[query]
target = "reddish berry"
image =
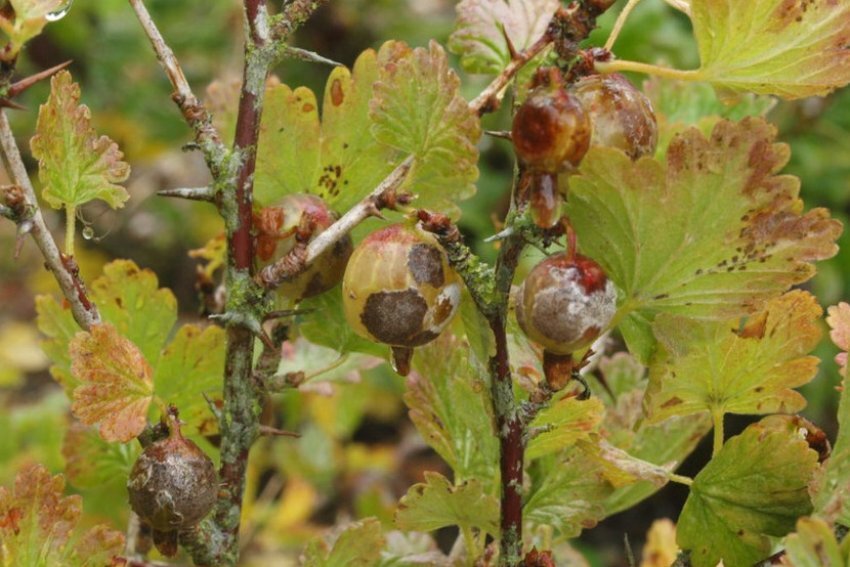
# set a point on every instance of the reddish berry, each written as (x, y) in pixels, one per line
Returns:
(565, 303)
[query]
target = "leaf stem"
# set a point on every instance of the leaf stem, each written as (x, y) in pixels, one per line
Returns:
(717, 418)
(70, 228)
(618, 25)
(687, 481)
(635, 66)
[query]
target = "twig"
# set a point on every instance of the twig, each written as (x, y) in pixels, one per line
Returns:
(206, 194)
(275, 432)
(308, 56)
(64, 269)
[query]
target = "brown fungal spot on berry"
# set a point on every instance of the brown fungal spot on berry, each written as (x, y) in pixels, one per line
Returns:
(394, 317)
(425, 263)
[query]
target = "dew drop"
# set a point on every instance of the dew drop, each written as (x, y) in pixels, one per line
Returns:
(59, 12)
(88, 232)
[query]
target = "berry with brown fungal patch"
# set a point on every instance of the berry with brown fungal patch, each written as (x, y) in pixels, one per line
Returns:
(399, 289)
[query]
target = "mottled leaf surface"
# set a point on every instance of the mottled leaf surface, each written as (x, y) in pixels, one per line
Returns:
(115, 388)
(755, 487)
(437, 503)
(706, 366)
(359, 545)
(789, 48)
(74, 164)
(40, 526)
(566, 421)
(711, 232)
(479, 36)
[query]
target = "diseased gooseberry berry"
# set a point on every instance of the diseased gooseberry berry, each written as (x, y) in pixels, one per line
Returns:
(551, 131)
(621, 115)
(399, 290)
(565, 303)
(173, 483)
(278, 228)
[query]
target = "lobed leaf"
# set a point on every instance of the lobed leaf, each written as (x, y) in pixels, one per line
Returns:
(839, 324)
(755, 487)
(436, 504)
(317, 363)
(813, 545)
(718, 368)
(418, 110)
(789, 48)
(479, 35)
(734, 232)
(28, 20)
(359, 545)
(115, 383)
(566, 421)
(74, 164)
(39, 526)
(91, 462)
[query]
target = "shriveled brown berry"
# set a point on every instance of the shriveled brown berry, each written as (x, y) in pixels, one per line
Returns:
(565, 303)
(173, 484)
(551, 131)
(621, 115)
(295, 218)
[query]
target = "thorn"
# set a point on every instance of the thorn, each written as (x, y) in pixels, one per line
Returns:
(17, 88)
(511, 48)
(205, 194)
(372, 210)
(212, 405)
(282, 314)
(23, 229)
(6, 103)
(501, 235)
(504, 134)
(309, 56)
(275, 432)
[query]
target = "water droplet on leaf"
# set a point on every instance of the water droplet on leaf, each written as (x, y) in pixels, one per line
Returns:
(59, 12)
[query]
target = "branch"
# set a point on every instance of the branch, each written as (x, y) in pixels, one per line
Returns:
(206, 194)
(294, 14)
(64, 268)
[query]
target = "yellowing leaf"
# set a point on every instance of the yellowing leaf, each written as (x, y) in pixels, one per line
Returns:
(479, 36)
(436, 503)
(57, 323)
(39, 526)
(566, 420)
(709, 233)
(790, 48)
(660, 549)
(715, 367)
(813, 545)
(755, 487)
(359, 545)
(115, 383)
(74, 164)
(19, 352)
(417, 109)
(839, 323)
(29, 18)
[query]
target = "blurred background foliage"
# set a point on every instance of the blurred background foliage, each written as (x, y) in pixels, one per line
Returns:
(358, 451)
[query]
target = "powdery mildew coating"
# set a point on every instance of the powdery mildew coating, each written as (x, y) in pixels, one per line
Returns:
(564, 306)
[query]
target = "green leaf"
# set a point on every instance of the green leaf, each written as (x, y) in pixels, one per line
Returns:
(790, 49)
(479, 36)
(337, 158)
(358, 546)
(449, 402)
(418, 110)
(566, 421)
(755, 487)
(39, 526)
(436, 503)
(57, 323)
(191, 366)
(325, 325)
(813, 545)
(316, 363)
(91, 462)
(734, 231)
(718, 368)
(567, 493)
(74, 164)
(115, 383)
(411, 549)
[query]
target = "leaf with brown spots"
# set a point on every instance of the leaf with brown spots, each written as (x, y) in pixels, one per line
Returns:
(115, 383)
(710, 233)
(479, 36)
(40, 526)
(789, 48)
(418, 110)
(567, 421)
(715, 367)
(755, 487)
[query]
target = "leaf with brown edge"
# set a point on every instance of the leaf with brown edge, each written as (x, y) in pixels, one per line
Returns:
(717, 367)
(711, 232)
(74, 164)
(40, 526)
(838, 319)
(116, 387)
(417, 109)
(788, 48)
(479, 35)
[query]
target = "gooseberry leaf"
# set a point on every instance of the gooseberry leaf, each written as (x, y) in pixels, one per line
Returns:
(813, 545)
(91, 462)
(57, 324)
(566, 421)
(792, 49)
(325, 325)
(40, 526)
(417, 109)
(74, 164)
(337, 157)
(715, 367)
(437, 503)
(359, 545)
(310, 363)
(755, 487)
(28, 20)
(479, 35)
(839, 324)
(735, 234)
(660, 549)
(448, 398)
(192, 367)
(115, 388)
